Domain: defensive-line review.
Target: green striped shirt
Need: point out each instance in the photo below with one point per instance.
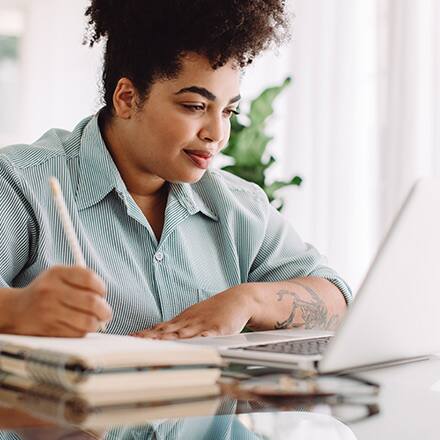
(218, 232)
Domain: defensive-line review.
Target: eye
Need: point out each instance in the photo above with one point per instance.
(194, 107)
(229, 112)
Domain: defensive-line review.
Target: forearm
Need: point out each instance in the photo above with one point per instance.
(308, 303)
(7, 316)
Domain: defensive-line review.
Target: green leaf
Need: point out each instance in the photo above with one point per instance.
(275, 186)
(249, 146)
(251, 174)
(280, 205)
(232, 145)
(262, 106)
(296, 181)
(271, 161)
(236, 125)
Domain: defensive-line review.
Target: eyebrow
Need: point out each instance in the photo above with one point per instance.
(205, 93)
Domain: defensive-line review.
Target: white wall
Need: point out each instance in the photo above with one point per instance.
(59, 74)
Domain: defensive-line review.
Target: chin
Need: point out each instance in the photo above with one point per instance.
(189, 178)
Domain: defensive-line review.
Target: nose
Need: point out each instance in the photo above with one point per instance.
(213, 131)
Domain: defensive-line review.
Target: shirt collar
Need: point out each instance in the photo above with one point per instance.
(98, 174)
(191, 200)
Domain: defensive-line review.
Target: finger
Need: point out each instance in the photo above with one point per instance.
(150, 334)
(189, 331)
(163, 328)
(81, 277)
(168, 336)
(169, 326)
(81, 322)
(86, 302)
(206, 333)
(66, 330)
(58, 329)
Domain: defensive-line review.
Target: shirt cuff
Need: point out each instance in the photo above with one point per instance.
(331, 276)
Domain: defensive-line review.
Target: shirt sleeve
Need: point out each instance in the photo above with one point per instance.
(17, 225)
(283, 255)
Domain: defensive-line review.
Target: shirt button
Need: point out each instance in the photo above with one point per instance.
(158, 256)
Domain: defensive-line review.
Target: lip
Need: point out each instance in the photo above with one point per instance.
(200, 158)
(201, 153)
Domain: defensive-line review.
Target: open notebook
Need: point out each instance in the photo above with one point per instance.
(98, 362)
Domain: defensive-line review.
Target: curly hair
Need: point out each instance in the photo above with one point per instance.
(146, 39)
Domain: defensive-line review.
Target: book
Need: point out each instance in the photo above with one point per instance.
(63, 407)
(109, 397)
(98, 362)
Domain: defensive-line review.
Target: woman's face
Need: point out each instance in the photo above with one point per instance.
(185, 121)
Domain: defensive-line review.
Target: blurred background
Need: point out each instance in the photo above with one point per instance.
(359, 123)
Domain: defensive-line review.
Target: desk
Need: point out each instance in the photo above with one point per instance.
(409, 404)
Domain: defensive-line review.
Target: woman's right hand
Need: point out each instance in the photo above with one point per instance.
(63, 301)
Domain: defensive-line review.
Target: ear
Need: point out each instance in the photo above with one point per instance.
(124, 99)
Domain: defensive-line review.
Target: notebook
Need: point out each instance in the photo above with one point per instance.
(394, 317)
(66, 408)
(98, 362)
(106, 398)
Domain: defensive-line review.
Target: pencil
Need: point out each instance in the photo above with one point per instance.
(68, 228)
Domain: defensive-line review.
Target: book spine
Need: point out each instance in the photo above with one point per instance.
(42, 366)
(53, 368)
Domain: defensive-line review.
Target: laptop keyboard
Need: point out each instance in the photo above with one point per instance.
(305, 347)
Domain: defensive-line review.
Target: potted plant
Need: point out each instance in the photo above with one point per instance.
(248, 142)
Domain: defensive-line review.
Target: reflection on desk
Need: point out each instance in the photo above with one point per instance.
(341, 396)
(301, 426)
(409, 403)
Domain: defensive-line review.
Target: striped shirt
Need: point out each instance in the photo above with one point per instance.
(218, 232)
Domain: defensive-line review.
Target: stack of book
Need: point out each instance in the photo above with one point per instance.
(103, 380)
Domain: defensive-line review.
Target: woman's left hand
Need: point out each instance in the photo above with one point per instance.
(226, 313)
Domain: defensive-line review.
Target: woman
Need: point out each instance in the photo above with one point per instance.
(173, 249)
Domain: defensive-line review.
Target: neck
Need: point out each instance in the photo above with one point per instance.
(138, 182)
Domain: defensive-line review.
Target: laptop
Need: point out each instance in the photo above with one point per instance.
(394, 318)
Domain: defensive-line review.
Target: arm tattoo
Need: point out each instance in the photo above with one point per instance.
(314, 311)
